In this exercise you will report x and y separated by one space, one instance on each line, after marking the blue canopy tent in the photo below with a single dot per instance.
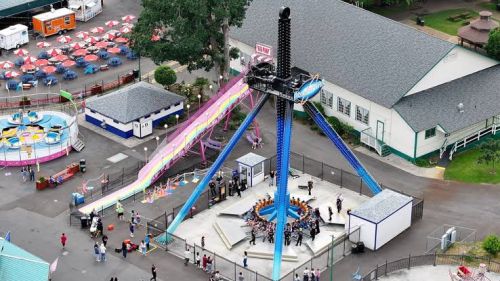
12 84
132 55
114 61
43 55
51 79
103 54
91 69
19 61
61 69
124 50
26 78
70 75
81 63
40 74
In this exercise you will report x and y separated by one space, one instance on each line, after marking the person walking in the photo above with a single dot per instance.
204 262
339 203
238 189
124 250
105 240
203 242
312 232
312 276
299 238
63 240
153 272
252 233
119 210
24 174
198 259
305 276
187 256
245 259
97 252
102 249
330 213
271 177
131 227
317 274
316 224
32 174
142 247
241 277
147 239
297 278
309 186
209 264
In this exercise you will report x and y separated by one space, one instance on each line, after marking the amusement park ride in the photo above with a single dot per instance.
264 78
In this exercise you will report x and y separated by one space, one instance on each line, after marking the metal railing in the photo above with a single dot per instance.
430 259
443 148
371 141
492 129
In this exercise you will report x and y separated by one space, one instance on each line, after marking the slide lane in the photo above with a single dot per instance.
175 147
342 147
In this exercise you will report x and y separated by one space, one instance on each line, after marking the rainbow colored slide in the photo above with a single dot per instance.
198 125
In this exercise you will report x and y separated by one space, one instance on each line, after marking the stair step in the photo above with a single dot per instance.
79 145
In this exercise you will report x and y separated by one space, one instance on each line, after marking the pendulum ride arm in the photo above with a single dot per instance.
313 112
216 165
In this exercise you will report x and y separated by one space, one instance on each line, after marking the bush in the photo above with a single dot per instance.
165 75
493 45
491 244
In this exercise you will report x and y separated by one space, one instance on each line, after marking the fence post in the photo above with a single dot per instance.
385 267
435 258
322 170
341 177
343 251
360 185
409 261
376 272
234 271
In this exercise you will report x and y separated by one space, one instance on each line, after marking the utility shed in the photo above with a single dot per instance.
381 218
251 168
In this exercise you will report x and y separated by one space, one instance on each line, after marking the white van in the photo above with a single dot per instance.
14 36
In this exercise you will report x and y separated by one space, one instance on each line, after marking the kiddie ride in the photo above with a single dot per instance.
289 90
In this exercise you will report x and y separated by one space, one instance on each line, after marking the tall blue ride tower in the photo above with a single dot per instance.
288 90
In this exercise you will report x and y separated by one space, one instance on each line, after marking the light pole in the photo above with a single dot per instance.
177 119
199 100
211 87
331 258
220 81
166 134
188 106
146 154
157 138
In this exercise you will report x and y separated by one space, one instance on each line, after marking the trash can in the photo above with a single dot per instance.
83 165
420 21
84 221
135 72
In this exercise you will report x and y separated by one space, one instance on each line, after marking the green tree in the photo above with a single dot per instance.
493 45
491 244
194 33
490 153
165 75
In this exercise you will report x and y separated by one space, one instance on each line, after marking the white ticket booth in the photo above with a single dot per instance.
251 168
143 128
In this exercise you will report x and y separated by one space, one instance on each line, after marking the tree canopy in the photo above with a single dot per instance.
165 75
490 153
493 45
194 33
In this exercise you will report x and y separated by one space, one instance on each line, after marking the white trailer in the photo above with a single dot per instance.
381 218
14 36
85 9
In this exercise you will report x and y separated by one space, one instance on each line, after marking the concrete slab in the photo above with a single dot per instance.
322 241
230 231
117 158
266 251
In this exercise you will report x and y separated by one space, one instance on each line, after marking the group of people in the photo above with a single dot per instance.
28 173
309 275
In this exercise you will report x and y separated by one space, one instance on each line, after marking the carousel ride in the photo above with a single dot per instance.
34 137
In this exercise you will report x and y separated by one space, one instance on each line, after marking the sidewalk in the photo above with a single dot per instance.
402 164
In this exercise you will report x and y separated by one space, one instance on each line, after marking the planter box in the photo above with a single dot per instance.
24 102
41 185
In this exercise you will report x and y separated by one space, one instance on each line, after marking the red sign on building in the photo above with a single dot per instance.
263 49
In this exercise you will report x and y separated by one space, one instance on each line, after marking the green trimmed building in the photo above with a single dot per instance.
17 264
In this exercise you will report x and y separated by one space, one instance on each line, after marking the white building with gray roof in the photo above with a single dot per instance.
116 112
375 68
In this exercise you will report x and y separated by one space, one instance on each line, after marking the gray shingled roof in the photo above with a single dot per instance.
381 206
133 102
251 159
479 92
365 53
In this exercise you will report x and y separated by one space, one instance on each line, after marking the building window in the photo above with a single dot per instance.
327 98
344 106
362 114
257 169
66 20
430 133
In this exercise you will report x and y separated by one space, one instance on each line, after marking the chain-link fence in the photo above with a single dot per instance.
431 259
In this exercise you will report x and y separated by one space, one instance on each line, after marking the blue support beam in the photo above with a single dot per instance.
342 147
184 211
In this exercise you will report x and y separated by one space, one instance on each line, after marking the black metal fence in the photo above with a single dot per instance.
430 259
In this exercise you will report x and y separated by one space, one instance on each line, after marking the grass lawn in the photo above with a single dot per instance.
440 21
387 11
465 168
488 6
